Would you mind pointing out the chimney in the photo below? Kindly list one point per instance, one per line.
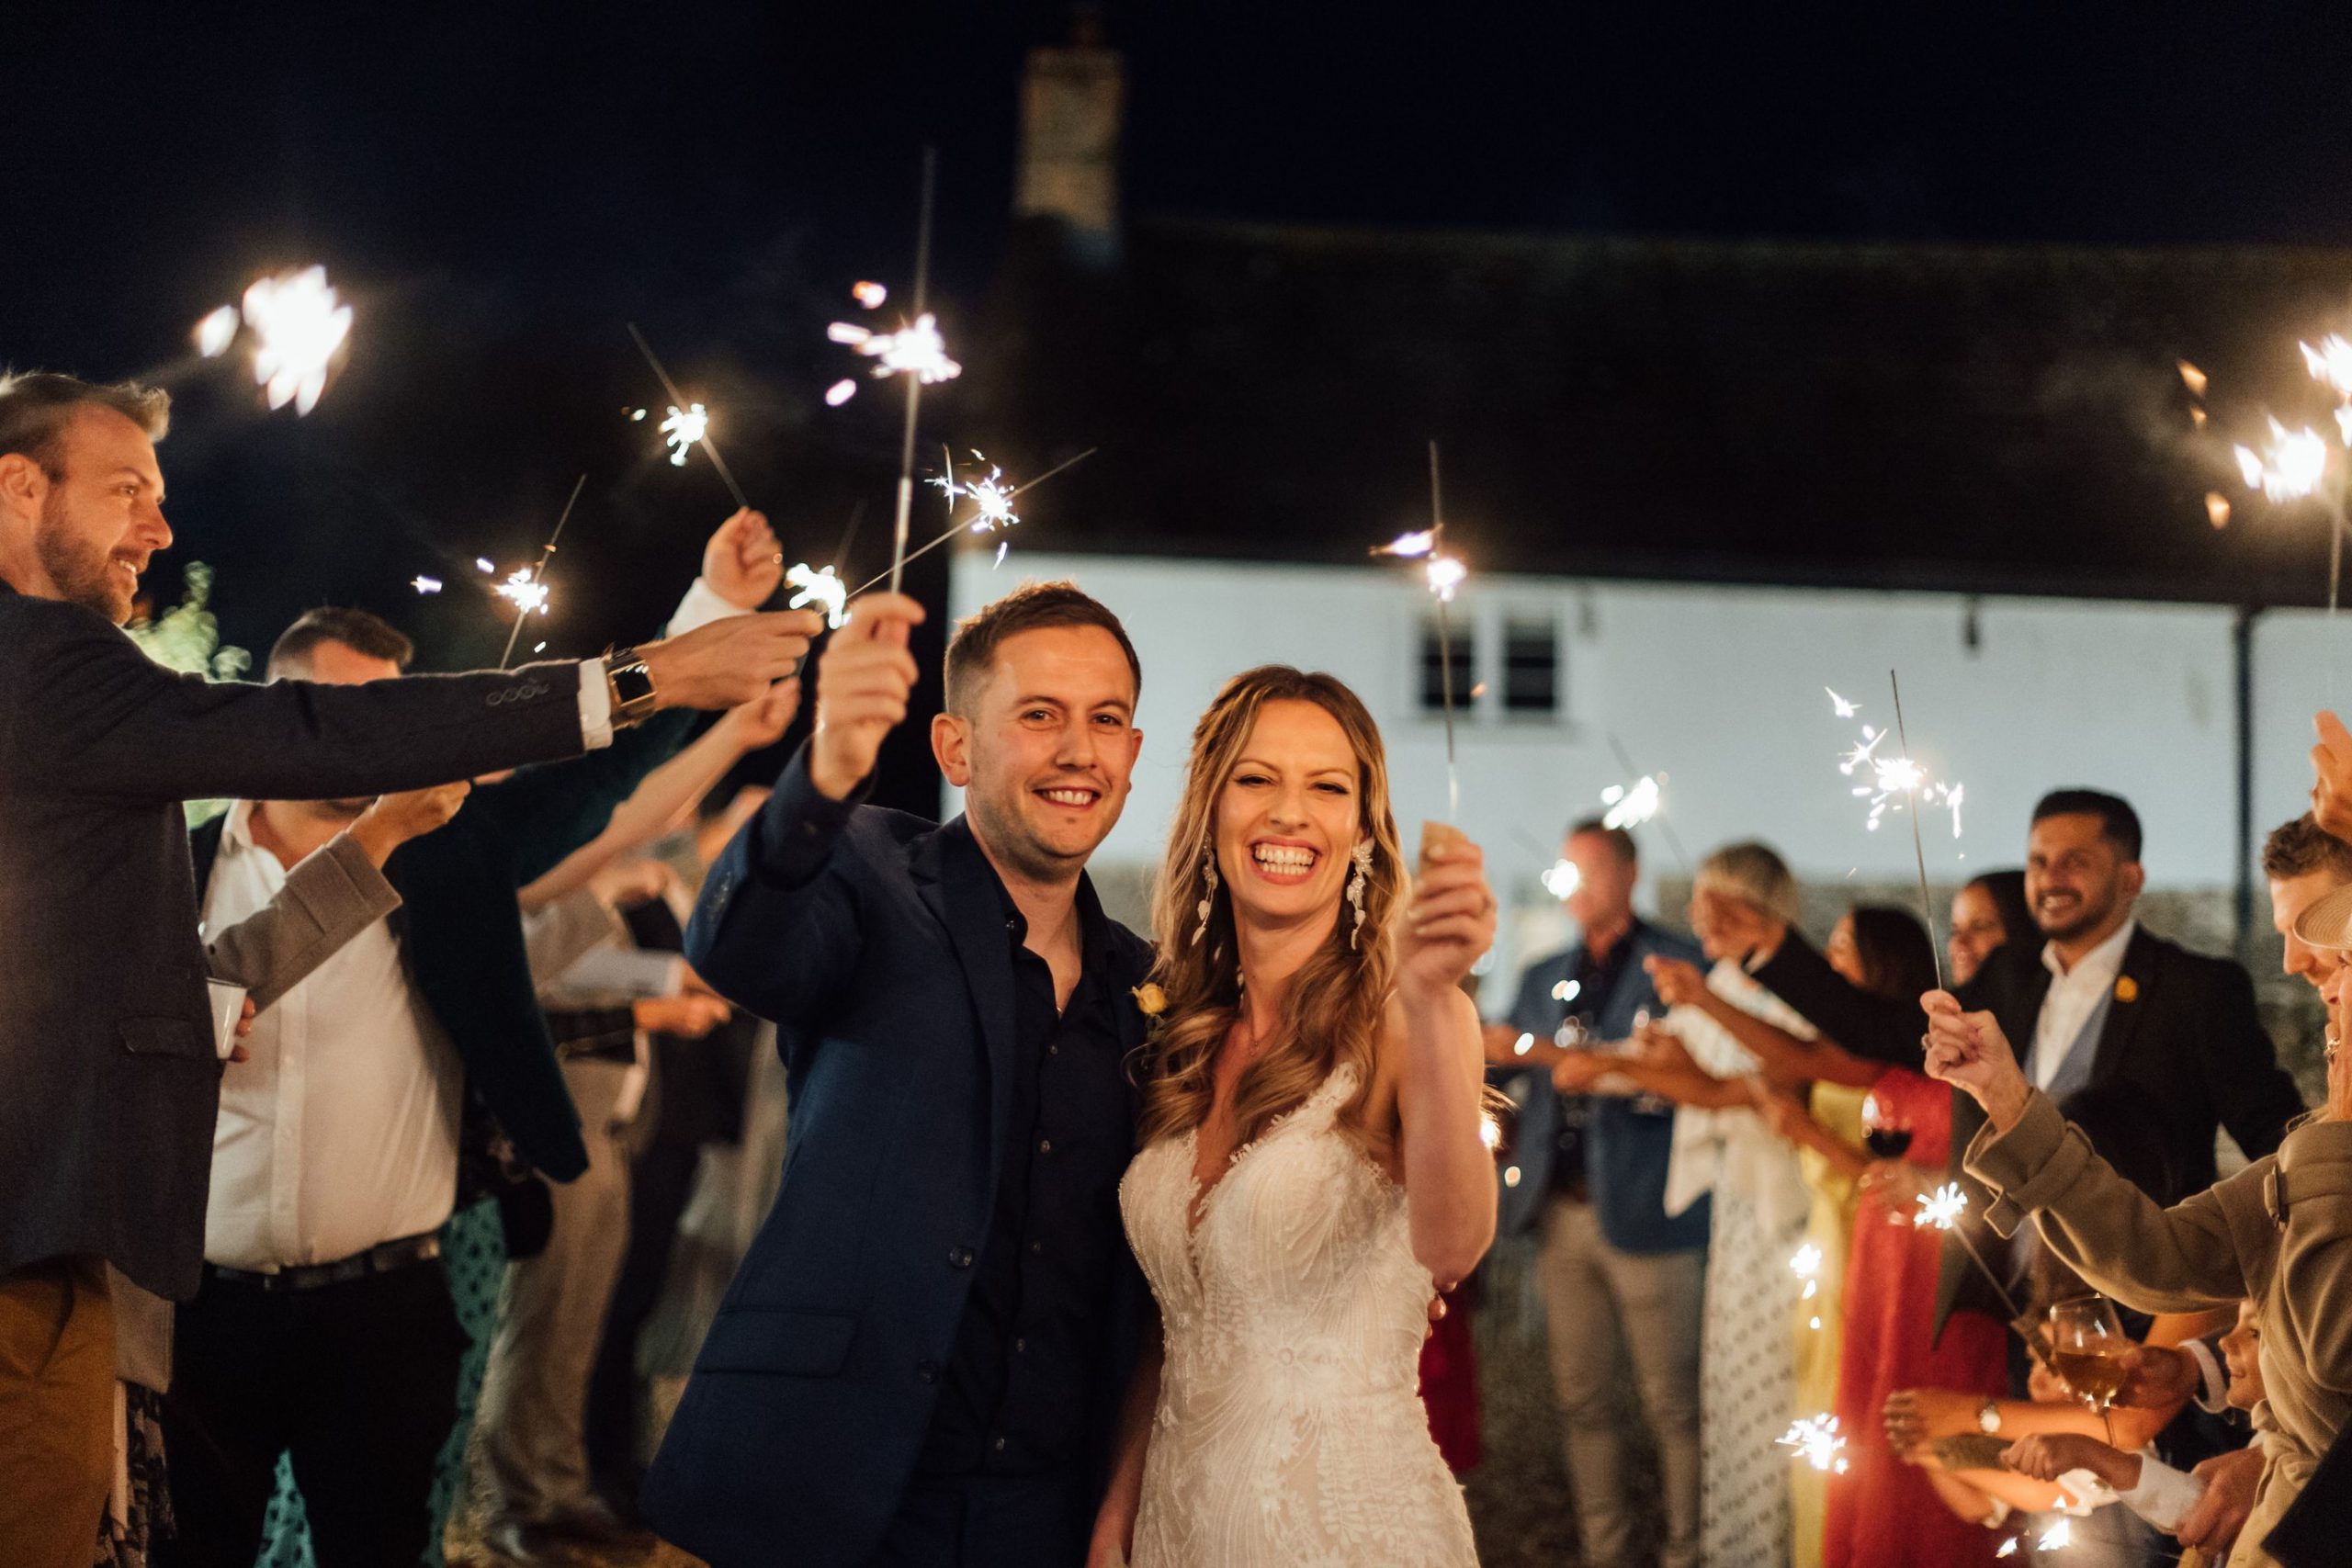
(1073, 98)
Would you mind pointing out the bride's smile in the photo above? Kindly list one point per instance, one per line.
(1288, 814)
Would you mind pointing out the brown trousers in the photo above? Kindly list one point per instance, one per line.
(56, 1411)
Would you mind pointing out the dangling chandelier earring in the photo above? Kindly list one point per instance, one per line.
(1361, 855)
(1208, 894)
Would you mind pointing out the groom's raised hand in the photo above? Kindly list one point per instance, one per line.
(865, 678)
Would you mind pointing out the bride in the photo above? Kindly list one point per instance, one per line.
(1312, 1167)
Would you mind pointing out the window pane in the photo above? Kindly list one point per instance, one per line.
(1530, 666)
(1433, 673)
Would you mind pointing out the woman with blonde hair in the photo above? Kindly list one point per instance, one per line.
(1313, 1167)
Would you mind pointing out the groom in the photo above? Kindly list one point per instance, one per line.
(922, 1358)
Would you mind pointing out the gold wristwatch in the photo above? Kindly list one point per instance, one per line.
(1988, 1417)
(630, 686)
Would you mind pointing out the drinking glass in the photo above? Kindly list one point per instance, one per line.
(2087, 1349)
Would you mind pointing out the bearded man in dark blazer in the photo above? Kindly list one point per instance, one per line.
(106, 1043)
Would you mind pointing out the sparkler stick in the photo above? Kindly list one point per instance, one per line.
(1444, 641)
(1941, 1210)
(678, 403)
(979, 525)
(522, 609)
(1918, 851)
(914, 383)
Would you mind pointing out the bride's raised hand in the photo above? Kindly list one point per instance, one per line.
(1450, 922)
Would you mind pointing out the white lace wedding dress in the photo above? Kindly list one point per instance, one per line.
(1290, 1429)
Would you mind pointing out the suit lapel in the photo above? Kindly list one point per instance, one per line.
(2140, 955)
(962, 892)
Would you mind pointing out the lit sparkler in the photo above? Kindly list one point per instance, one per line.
(1562, 879)
(1895, 784)
(526, 587)
(2289, 467)
(1806, 1265)
(299, 327)
(822, 588)
(684, 429)
(870, 294)
(688, 423)
(2057, 1537)
(1445, 574)
(1632, 804)
(915, 349)
(1941, 1209)
(995, 512)
(1817, 1442)
(989, 493)
(425, 584)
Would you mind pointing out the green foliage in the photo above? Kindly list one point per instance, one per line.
(188, 639)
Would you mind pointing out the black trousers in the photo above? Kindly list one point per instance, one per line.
(661, 1182)
(357, 1380)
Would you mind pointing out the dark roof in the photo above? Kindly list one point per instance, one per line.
(1953, 418)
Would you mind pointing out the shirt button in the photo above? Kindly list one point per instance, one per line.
(998, 1445)
(1013, 924)
(1036, 1247)
(1053, 1050)
(1044, 1145)
(1021, 1347)
(959, 1257)
(927, 1371)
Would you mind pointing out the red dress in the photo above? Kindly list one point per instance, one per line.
(1882, 1513)
(1450, 1385)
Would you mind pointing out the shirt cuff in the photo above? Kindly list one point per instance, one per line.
(2163, 1496)
(2214, 1398)
(701, 605)
(595, 706)
(2084, 1492)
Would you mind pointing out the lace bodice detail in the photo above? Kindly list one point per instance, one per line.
(1289, 1429)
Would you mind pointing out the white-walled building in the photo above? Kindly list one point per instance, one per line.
(1725, 690)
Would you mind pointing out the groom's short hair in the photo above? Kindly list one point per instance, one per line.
(1032, 606)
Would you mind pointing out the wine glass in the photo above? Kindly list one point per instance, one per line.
(1886, 1133)
(2087, 1349)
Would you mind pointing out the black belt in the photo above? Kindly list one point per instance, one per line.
(392, 1255)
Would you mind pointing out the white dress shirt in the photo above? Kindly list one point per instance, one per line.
(340, 1132)
(2074, 994)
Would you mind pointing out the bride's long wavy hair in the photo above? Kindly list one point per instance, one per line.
(1332, 1011)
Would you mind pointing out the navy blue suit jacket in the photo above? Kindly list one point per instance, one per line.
(879, 949)
(1625, 1148)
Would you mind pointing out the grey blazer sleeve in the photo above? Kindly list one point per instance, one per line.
(556, 935)
(330, 897)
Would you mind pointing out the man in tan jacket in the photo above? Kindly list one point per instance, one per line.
(2278, 1233)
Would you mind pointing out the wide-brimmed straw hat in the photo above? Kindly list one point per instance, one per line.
(2328, 921)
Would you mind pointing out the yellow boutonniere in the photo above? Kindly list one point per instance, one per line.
(1151, 999)
(2127, 989)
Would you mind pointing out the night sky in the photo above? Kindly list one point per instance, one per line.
(499, 190)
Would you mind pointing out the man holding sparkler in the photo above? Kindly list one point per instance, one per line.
(922, 1357)
(106, 1033)
(2102, 1000)
(1616, 1268)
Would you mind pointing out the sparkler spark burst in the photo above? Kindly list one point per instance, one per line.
(1941, 1209)
(2289, 467)
(217, 332)
(2217, 509)
(840, 392)
(684, 429)
(822, 588)
(1632, 804)
(1417, 544)
(989, 493)
(1892, 783)
(523, 591)
(1446, 574)
(1817, 1442)
(1562, 879)
(2057, 1537)
(299, 325)
(869, 295)
(916, 350)
(425, 584)
(2331, 362)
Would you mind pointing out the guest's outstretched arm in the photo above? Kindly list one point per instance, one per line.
(2121, 1240)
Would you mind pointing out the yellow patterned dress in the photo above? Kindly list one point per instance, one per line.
(1839, 1110)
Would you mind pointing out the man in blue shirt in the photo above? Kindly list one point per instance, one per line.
(1621, 1278)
